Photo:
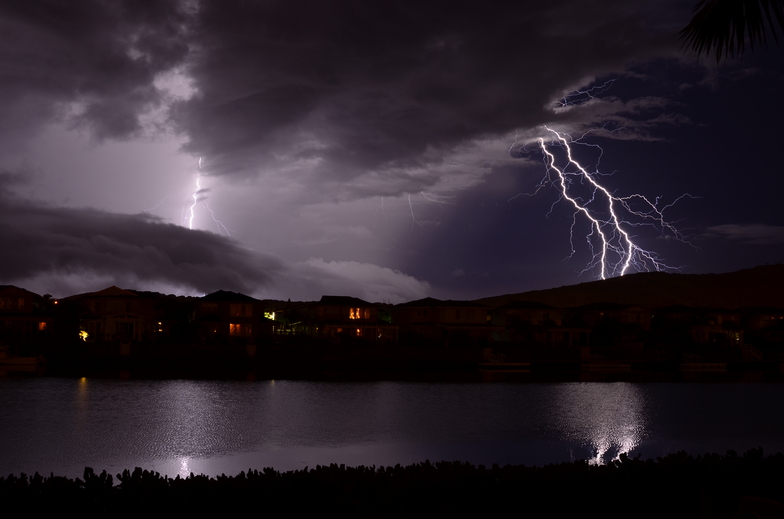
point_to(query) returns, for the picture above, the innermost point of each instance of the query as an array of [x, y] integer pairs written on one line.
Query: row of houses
[[120, 315]]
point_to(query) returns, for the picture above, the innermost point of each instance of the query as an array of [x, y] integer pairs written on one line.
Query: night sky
[[371, 149]]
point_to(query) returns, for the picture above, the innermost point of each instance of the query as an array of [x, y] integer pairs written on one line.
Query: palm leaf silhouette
[[724, 27]]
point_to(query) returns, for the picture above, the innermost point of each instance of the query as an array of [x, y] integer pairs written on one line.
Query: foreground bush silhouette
[[677, 485]]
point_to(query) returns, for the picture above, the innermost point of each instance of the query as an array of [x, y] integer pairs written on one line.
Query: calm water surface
[[178, 427]]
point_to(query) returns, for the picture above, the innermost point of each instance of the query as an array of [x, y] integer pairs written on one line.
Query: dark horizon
[[761, 282]]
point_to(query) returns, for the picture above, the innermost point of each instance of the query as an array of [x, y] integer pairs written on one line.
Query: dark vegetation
[[677, 485]]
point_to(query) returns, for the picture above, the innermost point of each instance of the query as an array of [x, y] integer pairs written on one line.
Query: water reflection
[[214, 427], [82, 397], [609, 419], [185, 470]]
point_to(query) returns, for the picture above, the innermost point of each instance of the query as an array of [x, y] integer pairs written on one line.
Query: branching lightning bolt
[[195, 199], [200, 195], [610, 217], [156, 206], [578, 97], [413, 218], [439, 200], [221, 228]]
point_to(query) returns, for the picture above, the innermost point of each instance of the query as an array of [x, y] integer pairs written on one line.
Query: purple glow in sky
[[363, 148]]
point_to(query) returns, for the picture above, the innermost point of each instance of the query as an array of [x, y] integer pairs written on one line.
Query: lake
[[61, 425]]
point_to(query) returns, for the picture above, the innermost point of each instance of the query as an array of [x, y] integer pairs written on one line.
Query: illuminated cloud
[[366, 281], [91, 63], [54, 241], [69, 250]]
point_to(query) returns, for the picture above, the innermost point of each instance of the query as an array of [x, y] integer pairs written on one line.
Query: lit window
[[359, 313], [41, 326], [239, 330]]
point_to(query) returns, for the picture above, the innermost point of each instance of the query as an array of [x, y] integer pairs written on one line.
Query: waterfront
[[175, 427]]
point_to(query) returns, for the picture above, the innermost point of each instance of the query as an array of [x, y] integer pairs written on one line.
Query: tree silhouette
[[723, 27]]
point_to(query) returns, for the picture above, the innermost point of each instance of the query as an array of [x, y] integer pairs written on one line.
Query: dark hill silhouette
[[758, 286]]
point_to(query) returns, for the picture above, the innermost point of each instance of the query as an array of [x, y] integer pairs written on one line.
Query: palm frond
[[724, 27]]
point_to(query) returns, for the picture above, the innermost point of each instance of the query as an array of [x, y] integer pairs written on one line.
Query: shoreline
[[401, 370], [676, 485]]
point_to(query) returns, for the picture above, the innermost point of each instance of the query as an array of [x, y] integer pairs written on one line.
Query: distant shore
[[401, 369], [677, 485]]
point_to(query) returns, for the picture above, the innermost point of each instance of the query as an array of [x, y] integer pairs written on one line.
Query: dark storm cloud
[[96, 60], [349, 87], [751, 234], [332, 90], [44, 240]]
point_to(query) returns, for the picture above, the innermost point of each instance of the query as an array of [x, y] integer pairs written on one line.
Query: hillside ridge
[[757, 286]]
